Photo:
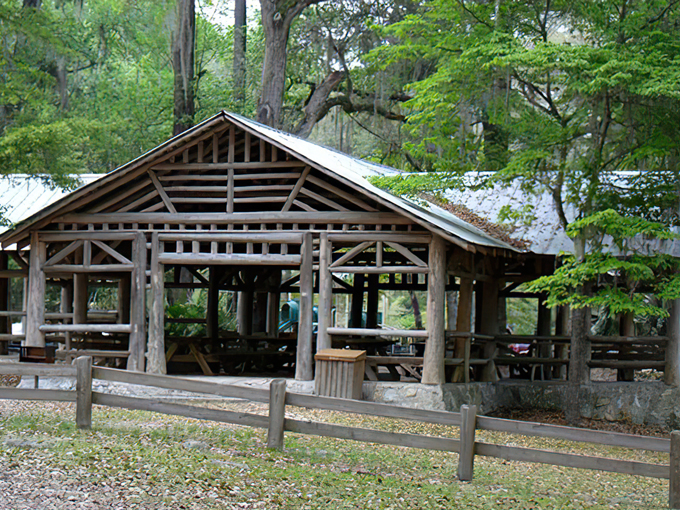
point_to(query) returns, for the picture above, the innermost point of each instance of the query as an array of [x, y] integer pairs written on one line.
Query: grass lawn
[[134, 459]]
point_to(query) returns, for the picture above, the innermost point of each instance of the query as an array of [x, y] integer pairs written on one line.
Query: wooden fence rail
[[276, 423]]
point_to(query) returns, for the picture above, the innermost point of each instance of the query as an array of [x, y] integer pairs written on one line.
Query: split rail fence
[[276, 423]]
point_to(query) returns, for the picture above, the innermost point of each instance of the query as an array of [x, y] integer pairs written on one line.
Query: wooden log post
[[357, 309], [244, 309], [277, 413], [212, 307], [156, 349], [579, 358], [303, 363], [124, 287], [260, 303], [372, 300], [626, 328], [543, 328], [435, 346], [463, 324], [674, 482], [5, 322], [35, 312], [466, 457], [137, 343], [80, 298], [84, 392], [323, 340], [561, 350], [579, 371], [489, 326], [274, 306], [672, 369], [66, 306]]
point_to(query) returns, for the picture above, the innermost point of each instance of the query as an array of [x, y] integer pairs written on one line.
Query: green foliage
[[195, 308], [623, 273], [414, 185], [558, 98], [86, 90]]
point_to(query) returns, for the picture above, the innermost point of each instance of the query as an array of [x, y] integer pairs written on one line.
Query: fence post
[[277, 412], [84, 392], [674, 482], [466, 457]]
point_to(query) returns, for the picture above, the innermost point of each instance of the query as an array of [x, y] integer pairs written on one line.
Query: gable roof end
[[347, 169]]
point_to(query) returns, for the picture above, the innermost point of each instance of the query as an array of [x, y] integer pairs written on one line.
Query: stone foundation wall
[[651, 403]]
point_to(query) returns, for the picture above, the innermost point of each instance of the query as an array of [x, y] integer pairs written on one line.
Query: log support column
[[35, 312], [303, 364], [579, 371], [543, 328], [323, 340], [5, 322], [137, 344], [626, 328], [561, 349], [274, 305], [66, 306], [372, 300], [433, 361], [212, 308], [244, 306], [463, 325], [357, 310], [672, 369], [488, 325], [156, 349]]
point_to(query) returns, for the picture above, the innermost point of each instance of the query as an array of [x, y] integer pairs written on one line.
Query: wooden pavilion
[[237, 205]]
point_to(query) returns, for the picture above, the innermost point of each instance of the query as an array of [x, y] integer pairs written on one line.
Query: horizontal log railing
[[277, 398], [400, 333]]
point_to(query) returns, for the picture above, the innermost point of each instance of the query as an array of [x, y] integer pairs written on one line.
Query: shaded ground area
[[148, 461], [557, 418]]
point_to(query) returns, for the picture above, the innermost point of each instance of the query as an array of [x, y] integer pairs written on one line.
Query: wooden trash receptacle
[[339, 373]]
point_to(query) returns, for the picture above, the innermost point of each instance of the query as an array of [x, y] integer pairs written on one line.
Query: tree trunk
[[316, 105], [183, 65], [239, 64], [274, 66], [62, 83], [277, 16]]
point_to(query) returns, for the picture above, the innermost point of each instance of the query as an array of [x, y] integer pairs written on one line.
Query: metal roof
[[22, 196], [352, 171], [542, 232]]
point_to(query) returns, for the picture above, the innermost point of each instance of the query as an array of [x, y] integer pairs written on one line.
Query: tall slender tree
[[240, 32], [183, 51]]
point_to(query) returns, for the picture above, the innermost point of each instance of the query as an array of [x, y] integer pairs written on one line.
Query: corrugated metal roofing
[[543, 233], [354, 171], [22, 196]]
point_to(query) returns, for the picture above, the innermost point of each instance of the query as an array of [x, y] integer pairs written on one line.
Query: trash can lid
[[340, 355]]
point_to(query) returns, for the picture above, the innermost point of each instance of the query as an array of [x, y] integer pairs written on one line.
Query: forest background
[[576, 99]]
